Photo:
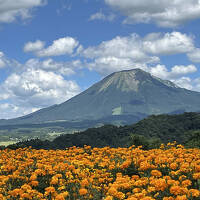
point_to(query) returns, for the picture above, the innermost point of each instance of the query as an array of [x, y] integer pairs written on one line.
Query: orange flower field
[[169, 173]]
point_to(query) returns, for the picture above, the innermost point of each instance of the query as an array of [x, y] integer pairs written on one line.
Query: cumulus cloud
[[101, 16], [178, 74], [180, 70], [107, 65], [6, 62], [188, 83], [37, 88], [61, 46], [130, 47], [49, 65], [177, 71], [194, 56], [169, 43], [10, 10], [130, 51], [121, 47], [2, 62], [35, 84], [197, 84], [34, 46], [9, 110], [161, 12], [185, 82]]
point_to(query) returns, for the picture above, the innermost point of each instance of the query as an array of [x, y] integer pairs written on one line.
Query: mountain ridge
[[128, 92]]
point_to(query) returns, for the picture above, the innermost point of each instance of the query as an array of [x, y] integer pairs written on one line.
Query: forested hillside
[[149, 132]]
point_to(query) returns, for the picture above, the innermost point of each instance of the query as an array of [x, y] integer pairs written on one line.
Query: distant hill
[[122, 97], [149, 132]]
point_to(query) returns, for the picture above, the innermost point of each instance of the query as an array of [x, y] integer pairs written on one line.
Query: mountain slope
[[149, 132], [126, 93]]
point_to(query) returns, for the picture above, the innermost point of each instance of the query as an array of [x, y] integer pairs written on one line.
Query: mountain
[[121, 95]]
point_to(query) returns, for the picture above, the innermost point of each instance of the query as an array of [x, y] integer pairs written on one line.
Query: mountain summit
[[133, 93], [130, 80]]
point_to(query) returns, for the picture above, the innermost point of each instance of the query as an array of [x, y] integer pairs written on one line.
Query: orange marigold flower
[[177, 190], [83, 191], [136, 190], [151, 189], [135, 177], [34, 183], [62, 196], [186, 183], [26, 196], [182, 177], [54, 180], [173, 166], [194, 192], [16, 192], [147, 198], [132, 198], [196, 175], [168, 198], [61, 187], [112, 191], [120, 195], [65, 194], [84, 182], [125, 164], [33, 177], [26, 187], [109, 198], [183, 197], [50, 190], [156, 173], [197, 168]]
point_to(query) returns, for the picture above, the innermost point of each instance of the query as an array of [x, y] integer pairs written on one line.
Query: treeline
[[149, 132]]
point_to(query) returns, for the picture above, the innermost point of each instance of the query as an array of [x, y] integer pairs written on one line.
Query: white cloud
[[122, 47], [163, 13], [2, 62], [160, 71], [107, 65], [101, 16], [185, 82], [10, 10], [197, 84], [188, 83], [34, 46], [37, 89], [9, 110], [5, 62], [130, 47], [49, 65], [176, 72], [169, 43], [128, 52], [194, 56], [180, 70], [35, 84], [59, 47]]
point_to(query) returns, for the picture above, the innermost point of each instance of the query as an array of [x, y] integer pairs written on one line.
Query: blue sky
[[51, 50]]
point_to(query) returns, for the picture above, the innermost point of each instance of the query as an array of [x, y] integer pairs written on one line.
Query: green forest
[[149, 132]]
